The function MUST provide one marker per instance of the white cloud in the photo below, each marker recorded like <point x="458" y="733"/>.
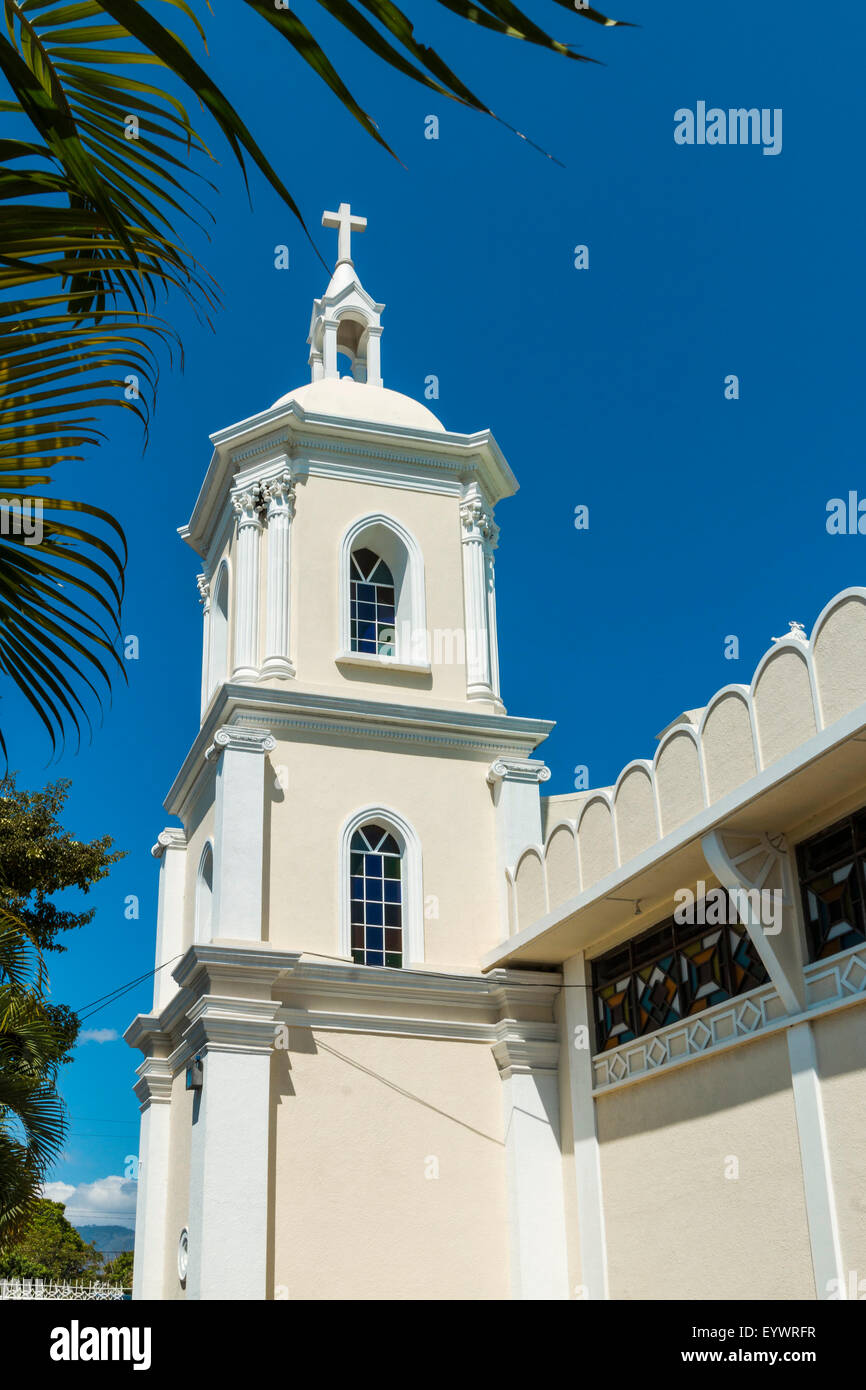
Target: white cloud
<point x="106" y="1202"/>
<point x="98" y="1035"/>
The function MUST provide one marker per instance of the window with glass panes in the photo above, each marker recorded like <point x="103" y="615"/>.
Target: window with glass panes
<point x="371" y="604"/>
<point x="376" y="897"/>
<point x="831" y="868"/>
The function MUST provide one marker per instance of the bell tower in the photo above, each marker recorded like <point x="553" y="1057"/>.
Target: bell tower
<point x="355" y="789"/>
<point x="345" y="320"/>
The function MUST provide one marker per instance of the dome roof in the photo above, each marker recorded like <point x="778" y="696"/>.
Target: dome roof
<point x="355" y="400"/>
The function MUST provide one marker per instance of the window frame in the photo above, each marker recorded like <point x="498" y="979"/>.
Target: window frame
<point x="394" y="544"/>
<point x="413" y="890"/>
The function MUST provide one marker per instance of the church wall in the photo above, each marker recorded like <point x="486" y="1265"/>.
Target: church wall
<point x="682" y="1229"/>
<point x="445" y="799"/>
<point x="362" y="1123"/>
<point x="840" y="656"/>
<point x="840" y="1042"/>
<point x="177" y="1205"/>
<point x="784" y="710"/>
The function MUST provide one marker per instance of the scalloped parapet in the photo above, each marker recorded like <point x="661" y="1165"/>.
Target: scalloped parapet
<point x="799" y="688"/>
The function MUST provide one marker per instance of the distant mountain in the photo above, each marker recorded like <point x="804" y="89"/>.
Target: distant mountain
<point x="109" y="1240"/>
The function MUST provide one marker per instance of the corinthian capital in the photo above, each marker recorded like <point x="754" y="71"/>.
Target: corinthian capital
<point x="278" y="494"/>
<point x="476" y="516"/>
<point x="247" y="504"/>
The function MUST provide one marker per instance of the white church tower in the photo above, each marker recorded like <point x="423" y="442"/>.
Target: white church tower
<point x="336" y="1102"/>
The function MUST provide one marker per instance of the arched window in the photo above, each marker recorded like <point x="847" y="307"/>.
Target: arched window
<point x="204" y="895"/>
<point x="372" y="604"/>
<point x="219" y="633"/>
<point x="382" y="604"/>
<point x="376" y="897"/>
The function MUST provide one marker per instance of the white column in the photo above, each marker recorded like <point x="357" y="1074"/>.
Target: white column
<point x="204" y="595"/>
<point x="329" y="348"/>
<point x="830" y="1280"/>
<point x="239" y="831"/>
<point x="228" y="1194"/>
<point x="374" y="360"/>
<point x="533" y="1165"/>
<point x="577" y="1021"/>
<point x="247" y="506"/>
<point x="514" y="783"/>
<point x="480" y="534"/>
<point x="154" y="1180"/>
<point x="170" y="849"/>
<point x="279" y="494"/>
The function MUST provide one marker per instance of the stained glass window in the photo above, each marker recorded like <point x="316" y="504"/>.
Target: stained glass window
<point x="831" y="867"/>
<point x="372" y="602"/>
<point x="669" y="973"/>
<point x="376" y="897"/>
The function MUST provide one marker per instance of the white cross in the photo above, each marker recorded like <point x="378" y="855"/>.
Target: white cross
<point x="347" y="224"/>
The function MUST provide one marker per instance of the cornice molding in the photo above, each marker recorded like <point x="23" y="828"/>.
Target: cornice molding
<point x="225" y="1024"/>
<point x="155" y="1080"/>
<point x="214" y="1011"/>
<point x="523" y="1048"/>
<point x="319" y="444"/>
<point x="472" y="731"/>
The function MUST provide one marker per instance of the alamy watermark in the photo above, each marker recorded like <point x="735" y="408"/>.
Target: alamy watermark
<point x="723" y="907"/>
<point x="22" y="516"/>
<point x="737" y="126"/>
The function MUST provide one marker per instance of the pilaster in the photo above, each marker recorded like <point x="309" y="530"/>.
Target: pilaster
<point x="514" y="783"/>
<point x="247" y="504"/>
<point x="170" y="849"/>
<point x="228" y="1195"/>
<point x="278" y="494"/>
<point x="480" y="535"/>
<point x="533" y="1163"/>
<point x="239" y="830"/>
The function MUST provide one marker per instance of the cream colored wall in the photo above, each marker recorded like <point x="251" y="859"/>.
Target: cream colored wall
<point x="445" y="799"/>
<point x="177" y="1202"/>
<point x="676" y="1226"/>
<point x="840" y="1040"/>
<point x="325" y="509"/>
<point x="358" y="1119"/>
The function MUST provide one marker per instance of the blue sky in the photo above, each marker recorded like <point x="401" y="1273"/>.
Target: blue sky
<point x="604" y="387"/>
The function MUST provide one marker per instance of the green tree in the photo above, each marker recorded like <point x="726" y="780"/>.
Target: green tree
<point x="119" y="1270"/>
<point x="38" y="858"/>
<point x="98" y="172"/>
<point x="47" y="1247"/>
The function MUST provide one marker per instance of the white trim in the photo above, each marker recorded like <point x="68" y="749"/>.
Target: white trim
<point x="413" y="885"/>
<point x="411" y="608"/>
<point x="388" y="663"/>
<point x="577" y="1022"/>
<point x="827" y="1262"/>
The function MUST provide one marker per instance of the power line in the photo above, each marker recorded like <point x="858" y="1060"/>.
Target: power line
<point x="96" y="1005"/>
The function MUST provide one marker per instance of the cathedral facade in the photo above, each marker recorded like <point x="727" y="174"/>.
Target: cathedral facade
<point x="421" y="1032"/>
